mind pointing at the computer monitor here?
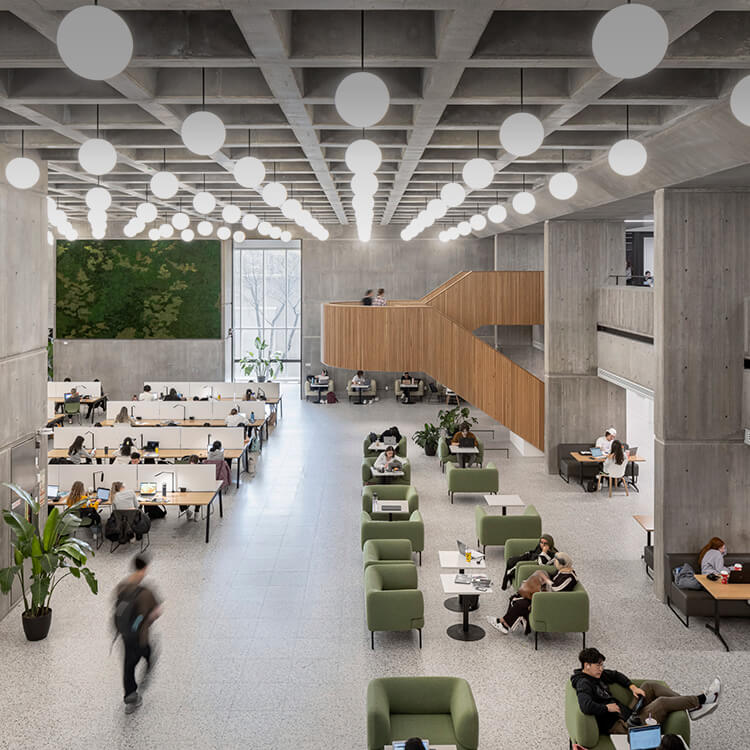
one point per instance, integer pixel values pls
(102, 495)
(401, 744)
(147, 488)
(152, 445)
(645, 738)
(67, 396)
(53, 491)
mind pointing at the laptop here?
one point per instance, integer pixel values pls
(53, 492)
(67, 396)
(465, 442)
(401, 744)
(147, 488)
(633, 452)
(739, 576)
(151, 446)
(102, 495)
(596, 452)
(389, 440)
(463, 549)
(645, 738)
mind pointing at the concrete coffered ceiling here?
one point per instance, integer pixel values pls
(272, 68)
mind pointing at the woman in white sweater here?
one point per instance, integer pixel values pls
(711, 557)
(121, 498)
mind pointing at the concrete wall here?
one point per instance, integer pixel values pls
(633, 360)
(627, 308)
(519, 252)
(342, 268)
(24, 284)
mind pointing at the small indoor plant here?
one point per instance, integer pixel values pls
(52, 555)
(263, 362)
(427, 438)
(450, 419)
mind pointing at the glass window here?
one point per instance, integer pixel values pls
(267, 299)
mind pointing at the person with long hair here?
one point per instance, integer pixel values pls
(77, 453)
(123, 416)
(616, 458)
(711, 557)
(121, 498)
(123, 457)
(78, 493)
(542, 554)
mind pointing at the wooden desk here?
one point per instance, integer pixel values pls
(646, 522)
(601, 459)
(723, 592)
(167, 423)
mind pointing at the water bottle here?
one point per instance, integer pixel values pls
(252, 416)
(374, 501)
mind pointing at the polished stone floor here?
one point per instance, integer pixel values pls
(263, 641)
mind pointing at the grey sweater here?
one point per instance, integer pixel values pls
(713, 562)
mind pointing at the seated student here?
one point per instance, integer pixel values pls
(123, 416)
(465, 459)
(215, 452)
(542, 554)
(74, 397)
(172, 395)
(323, 377)
(78, 454)
(235, 418)
(604, 443)
(122, 498)
(147, 395)
(135, 458)
(565, 579)
(672, 742)
(616, 463)
(592, 681)
(406, 378)
(387, 460)
(380, 301)
(711, 557)
(413, 743)
(76, 494)
(360, 379)
(123, 457)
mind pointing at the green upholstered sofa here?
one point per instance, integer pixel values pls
(368, 478)
(313, 392)
(478, 481)
(445, 455)
(392, 599)
(496, 529)
(367, 453)
(584, 730)
(440, 709)
(386, 552)
(390, 492)
(353, 393)
(417, 392)
(413, 530)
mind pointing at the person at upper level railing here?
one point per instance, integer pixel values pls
(380, 301)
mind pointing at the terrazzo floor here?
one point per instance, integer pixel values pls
(263, 642)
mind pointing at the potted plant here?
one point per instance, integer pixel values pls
(52, 555)
(264, 362)
(450, 419)
(427, 438)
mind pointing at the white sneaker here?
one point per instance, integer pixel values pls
(519, 624)
(189, 515)
(712, 693)
(495, 622)
(377, 398)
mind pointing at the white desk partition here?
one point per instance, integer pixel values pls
(190, 438)
(220, 409)
(197, 409)
(205, 389)
(197, 438)
(143, 409)
(63, 475)
(57, 389)
(194, 477)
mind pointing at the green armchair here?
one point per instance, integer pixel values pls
(496, 530)
(390, 492)
(368, 478)
(413, 530)
(392, 599)
(516, 547)
(386, 552)
(367, 453)
(444, 454)
(442, 709)
(478, 481)
(583, 729)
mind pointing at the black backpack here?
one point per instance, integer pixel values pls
(128, 621)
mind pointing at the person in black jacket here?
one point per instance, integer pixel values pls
(592, 683)
(542, 554)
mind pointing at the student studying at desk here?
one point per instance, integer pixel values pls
(604, 443)
(78, 454)
(147, 395)
(464, 438)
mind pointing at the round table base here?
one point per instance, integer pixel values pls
(454, 604)
(457, 632)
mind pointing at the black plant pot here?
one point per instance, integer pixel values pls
(37, 628)
(261, 378)
(430, 449)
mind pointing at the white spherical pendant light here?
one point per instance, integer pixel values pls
(453, 194)
(239, 236)
(437, 208)
(71, 235)
(323, 234)
(203, 133)
(22, 172)
(231, 214)
(223, 233)
(464, 228)
(286, 236)
(363, 155)
(630, 40)
(290, 208)
(453, 233)
(406, 235)
(362, 99)
(129, 230)
(478, 173)
(524, 202)
(497, 214)
(153, 234)
(137, 224)
(164, 185)
(97, 156)
(204, 202)
(274, 194)
(99, 233)
(205, 228)
(739, 101)
(166, 231)
(146, 212)
(521, 134)
(364, 184)
(627, 157)
(363, 203)
(275, 233)
(249, 222)
(264, 228)
(563, 185)
(478, 222)
(180, 221)
(443, 236)
(98, 199)
(249, 172)
(95, 216)
(94, 42)
(187, 235)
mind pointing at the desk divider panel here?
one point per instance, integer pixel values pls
(203, 389)
(143, 409)
(57, 389)
(198, 409)
(64, 475)
(198, 437)
(195, 477)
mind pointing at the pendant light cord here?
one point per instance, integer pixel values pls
(562, 152)
(627, 121)
(97, 121)
(521, 72)
(362, 40)
(249, 142)
(22, 143)
(477, 144)
(203, 88)
(164, 160)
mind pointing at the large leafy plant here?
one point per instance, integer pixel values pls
(429, 435)
(54, 554)
(265, 363)
(450, 419)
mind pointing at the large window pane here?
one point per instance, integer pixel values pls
(251, 283)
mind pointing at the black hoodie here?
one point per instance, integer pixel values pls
(594, 695)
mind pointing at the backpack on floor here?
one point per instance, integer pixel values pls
(592, 485)
(155, 512)
(331, 398)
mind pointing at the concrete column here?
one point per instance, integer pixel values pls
(578, 258)
(702, 271)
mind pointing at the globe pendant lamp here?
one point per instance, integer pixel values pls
(286, 236)
(205, 228)
(238, 236)
(523, 202)
(203, 201)
(563, 185)
(497, 214)
(98, 198)
(290, 208)
(364, 184)
(166, 231)
(94, 42)
(464, 228)
(522, 133)
(478, 222)
(153, 234)
(452, 193)
(627, 157)
(223, 233)
(274, 194)
(249, 222)
(362, 99)
(739, 101)
(478, 173)
(203, 132)
(231, 213)
(630, 40)
(164, 184)
(96, 155)
(187, 235)
(180, 221)
(437, 208)
(275, 233)
(249, 171)
(363, 155)
(146, 211)
(22, 172)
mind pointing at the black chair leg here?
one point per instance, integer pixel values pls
(372, 640)
(420, 559)
(536, 641)
(420, 637)
(584, 639)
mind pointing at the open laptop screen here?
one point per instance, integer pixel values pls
(645, 738)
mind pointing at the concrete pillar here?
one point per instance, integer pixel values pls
(702, 271)
(578, 258)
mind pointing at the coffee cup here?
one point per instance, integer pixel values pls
(737, 566)
(724, 576)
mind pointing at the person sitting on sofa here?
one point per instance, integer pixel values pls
(565, 579)
(592, 681)
(604, 443)
(465, 459)
(542, 554)
(387, 460)
(711, 557)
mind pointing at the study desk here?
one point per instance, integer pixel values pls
(385, 475)
(462, 452)
(469, 597)
(359, 389)
(452, 559)
(632, 460)
(505, 502)
(408, 388)
(723, 592)
(646, 522)
(319, 387)
(257, 425)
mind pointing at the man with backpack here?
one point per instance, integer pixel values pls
(136, 607)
